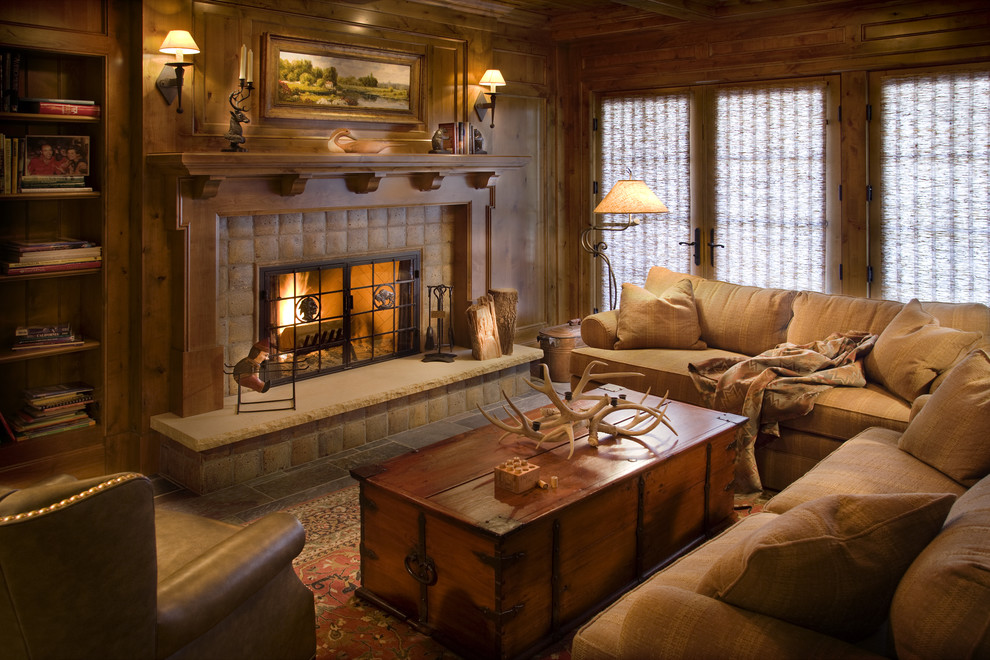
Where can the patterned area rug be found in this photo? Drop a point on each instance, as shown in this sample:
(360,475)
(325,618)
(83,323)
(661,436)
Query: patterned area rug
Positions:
(348,627)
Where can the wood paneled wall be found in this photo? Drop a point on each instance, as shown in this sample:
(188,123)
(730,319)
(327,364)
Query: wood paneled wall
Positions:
(849,39)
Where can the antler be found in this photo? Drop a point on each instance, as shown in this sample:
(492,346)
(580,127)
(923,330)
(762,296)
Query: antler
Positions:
(565,417)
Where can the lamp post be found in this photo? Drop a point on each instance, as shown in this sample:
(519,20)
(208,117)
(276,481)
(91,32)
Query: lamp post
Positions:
(626,196)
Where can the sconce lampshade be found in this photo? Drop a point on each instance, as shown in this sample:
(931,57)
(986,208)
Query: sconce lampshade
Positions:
(493,78)
(630,196)
(179,43)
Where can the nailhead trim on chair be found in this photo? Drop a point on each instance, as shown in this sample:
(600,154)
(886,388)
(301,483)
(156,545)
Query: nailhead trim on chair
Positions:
(70,500)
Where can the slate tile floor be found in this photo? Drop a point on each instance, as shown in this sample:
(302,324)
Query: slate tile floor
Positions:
(245,502)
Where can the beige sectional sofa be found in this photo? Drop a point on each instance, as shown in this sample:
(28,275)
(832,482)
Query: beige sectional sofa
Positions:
(880,550)
(652,333)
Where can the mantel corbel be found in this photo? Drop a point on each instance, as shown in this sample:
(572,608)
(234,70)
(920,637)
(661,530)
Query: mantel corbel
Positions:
(363,183)
(427,181)
(294,184)
(481,180)
(206,186)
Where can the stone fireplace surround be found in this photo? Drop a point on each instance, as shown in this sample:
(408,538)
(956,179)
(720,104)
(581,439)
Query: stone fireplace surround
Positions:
(247,242)
(296,206)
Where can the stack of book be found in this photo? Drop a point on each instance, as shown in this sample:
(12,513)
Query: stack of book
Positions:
(53,409)
(53,183)
(48,255)
(45,336)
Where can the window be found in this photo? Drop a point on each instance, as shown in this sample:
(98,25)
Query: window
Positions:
(931,233)
(760,198)
(769,165)
(647,137)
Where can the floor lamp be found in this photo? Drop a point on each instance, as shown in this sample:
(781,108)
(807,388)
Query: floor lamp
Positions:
(627,196)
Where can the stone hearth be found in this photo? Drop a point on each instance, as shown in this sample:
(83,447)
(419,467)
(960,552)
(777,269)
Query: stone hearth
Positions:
(333,413)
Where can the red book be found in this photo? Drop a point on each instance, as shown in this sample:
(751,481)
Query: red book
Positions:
(59,108)
(68,109)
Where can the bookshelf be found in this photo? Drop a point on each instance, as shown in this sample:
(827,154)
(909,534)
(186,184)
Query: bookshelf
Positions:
(76,297)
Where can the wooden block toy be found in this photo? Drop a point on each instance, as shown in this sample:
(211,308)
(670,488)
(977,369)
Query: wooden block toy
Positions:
(517,475)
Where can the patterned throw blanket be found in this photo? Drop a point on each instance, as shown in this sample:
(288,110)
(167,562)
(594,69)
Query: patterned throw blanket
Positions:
(778,384)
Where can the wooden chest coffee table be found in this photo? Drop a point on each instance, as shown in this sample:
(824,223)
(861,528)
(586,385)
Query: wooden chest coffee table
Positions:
(493,574)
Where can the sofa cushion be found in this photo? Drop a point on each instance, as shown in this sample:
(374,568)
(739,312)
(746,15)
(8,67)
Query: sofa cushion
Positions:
(817,315)
(665,371)
(940,607)
(868,463)
(842,412)
(950,432)
(742,319)
(913,349)
(668,320)
(832,564)
(600,637)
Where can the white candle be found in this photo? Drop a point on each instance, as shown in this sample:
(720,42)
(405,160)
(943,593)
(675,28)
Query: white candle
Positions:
(241,74)
(250,66)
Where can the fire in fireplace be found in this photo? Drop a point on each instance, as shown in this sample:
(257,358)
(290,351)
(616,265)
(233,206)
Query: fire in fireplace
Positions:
(339,314)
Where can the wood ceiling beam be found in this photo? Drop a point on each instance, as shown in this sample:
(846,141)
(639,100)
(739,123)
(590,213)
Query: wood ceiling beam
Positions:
(688,10)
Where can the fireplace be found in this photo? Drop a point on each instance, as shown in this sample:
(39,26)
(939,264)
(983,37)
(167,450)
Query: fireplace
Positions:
(338,314)
(228,215)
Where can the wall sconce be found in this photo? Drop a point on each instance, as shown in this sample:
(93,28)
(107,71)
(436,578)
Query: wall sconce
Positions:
(169,83)
(493,78)
(626,196)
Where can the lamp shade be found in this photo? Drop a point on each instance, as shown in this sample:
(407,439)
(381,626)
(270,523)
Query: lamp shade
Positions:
(630,196)
(493,78)
(179,42)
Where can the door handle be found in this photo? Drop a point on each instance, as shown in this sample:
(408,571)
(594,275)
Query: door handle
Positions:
(697,244)
(712,245)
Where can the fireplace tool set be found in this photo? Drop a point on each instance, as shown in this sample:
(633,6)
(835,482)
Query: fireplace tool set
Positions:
(437,294)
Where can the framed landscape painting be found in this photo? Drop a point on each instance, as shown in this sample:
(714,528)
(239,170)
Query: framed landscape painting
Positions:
(306,79)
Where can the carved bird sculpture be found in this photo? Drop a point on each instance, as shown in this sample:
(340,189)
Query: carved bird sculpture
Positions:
(342,142)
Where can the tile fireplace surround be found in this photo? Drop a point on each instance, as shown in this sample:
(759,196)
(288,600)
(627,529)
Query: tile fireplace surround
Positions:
(205,446)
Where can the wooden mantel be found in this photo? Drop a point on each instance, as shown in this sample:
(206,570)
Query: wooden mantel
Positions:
(362,172)
(197,189)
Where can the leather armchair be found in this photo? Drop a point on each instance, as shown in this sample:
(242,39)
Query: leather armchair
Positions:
(90,569)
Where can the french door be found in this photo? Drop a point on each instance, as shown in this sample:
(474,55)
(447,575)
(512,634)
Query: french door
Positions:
(745,171)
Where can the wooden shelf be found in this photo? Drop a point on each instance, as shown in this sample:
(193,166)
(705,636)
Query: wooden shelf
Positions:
(26,196)
(45,276)
(46,118)
(8,355)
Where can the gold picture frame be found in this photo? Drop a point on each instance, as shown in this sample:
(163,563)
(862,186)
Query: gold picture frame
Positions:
(346,83)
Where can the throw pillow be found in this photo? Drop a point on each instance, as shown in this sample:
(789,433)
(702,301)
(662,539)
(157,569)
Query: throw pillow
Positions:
(913,349)
(830,564)
(659,279)
(648,321)
(950,432)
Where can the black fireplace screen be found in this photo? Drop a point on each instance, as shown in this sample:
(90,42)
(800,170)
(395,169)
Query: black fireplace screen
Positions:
(341,314)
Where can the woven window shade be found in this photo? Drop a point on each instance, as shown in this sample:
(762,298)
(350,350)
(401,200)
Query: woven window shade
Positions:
(935,194)
(647,137)
(770,186)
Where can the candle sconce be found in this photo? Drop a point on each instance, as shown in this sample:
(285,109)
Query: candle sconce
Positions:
(237,99)
(235,134)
